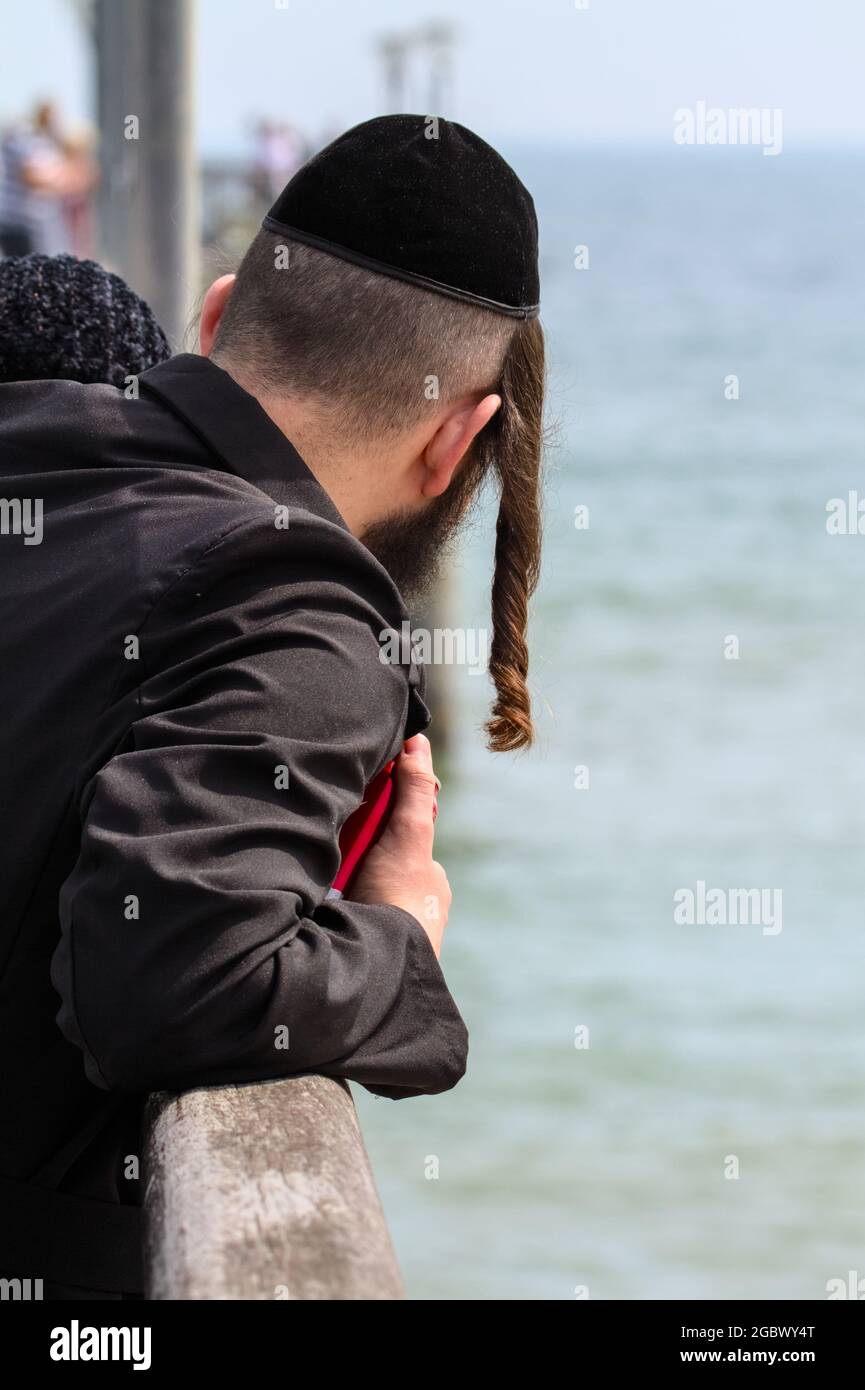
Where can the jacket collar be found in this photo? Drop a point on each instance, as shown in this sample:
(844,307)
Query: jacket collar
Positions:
(234,428)
(239,434)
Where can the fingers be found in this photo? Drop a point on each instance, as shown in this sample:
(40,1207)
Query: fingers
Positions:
(415,764)
(416,788)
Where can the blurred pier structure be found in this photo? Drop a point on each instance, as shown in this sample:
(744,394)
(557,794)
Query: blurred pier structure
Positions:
(430,46)
(148,219)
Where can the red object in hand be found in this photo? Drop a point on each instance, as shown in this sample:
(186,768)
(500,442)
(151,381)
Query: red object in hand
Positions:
(363,828)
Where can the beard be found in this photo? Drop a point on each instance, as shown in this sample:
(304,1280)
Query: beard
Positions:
(412,546)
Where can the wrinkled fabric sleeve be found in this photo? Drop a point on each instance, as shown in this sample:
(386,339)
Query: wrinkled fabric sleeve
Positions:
(197,945)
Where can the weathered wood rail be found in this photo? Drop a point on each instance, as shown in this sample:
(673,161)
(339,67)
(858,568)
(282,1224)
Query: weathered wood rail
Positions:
(263,1192)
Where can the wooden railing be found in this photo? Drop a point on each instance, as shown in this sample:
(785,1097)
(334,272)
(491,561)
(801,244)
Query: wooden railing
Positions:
(263,1192)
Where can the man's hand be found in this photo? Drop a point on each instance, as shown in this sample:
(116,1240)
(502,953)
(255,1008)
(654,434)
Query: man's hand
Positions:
(400,869)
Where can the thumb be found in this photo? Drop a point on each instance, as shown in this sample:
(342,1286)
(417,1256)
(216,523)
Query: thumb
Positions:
(416,788)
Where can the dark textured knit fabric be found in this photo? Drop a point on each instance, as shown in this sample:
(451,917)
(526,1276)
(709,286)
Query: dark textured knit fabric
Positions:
(70,319)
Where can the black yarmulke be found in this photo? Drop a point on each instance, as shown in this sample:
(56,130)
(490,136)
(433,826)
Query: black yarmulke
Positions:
(423,200)
(61,318)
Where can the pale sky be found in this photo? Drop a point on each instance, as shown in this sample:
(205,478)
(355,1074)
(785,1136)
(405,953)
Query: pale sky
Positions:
(525,69)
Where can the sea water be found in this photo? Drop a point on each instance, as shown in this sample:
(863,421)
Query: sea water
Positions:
(657,1108)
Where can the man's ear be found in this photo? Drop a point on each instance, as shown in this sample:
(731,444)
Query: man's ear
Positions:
(211,311)
(452,441)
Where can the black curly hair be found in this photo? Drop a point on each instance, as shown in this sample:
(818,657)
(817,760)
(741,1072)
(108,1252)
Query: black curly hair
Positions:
(65,318)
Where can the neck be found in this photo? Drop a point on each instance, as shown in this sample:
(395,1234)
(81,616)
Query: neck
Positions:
(344,473)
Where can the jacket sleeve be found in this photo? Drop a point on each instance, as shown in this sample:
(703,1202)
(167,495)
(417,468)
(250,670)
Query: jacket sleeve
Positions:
(197,946)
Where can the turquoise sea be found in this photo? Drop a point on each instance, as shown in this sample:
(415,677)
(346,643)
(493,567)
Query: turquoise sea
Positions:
(711,1048)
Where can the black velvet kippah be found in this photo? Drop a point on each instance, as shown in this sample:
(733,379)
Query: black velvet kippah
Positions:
(424,200)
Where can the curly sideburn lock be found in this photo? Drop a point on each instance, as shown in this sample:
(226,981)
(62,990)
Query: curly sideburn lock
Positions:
(515,447)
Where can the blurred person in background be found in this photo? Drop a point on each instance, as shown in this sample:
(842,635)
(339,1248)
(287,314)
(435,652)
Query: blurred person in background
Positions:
(79,180)
(280,149)
(46,179)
